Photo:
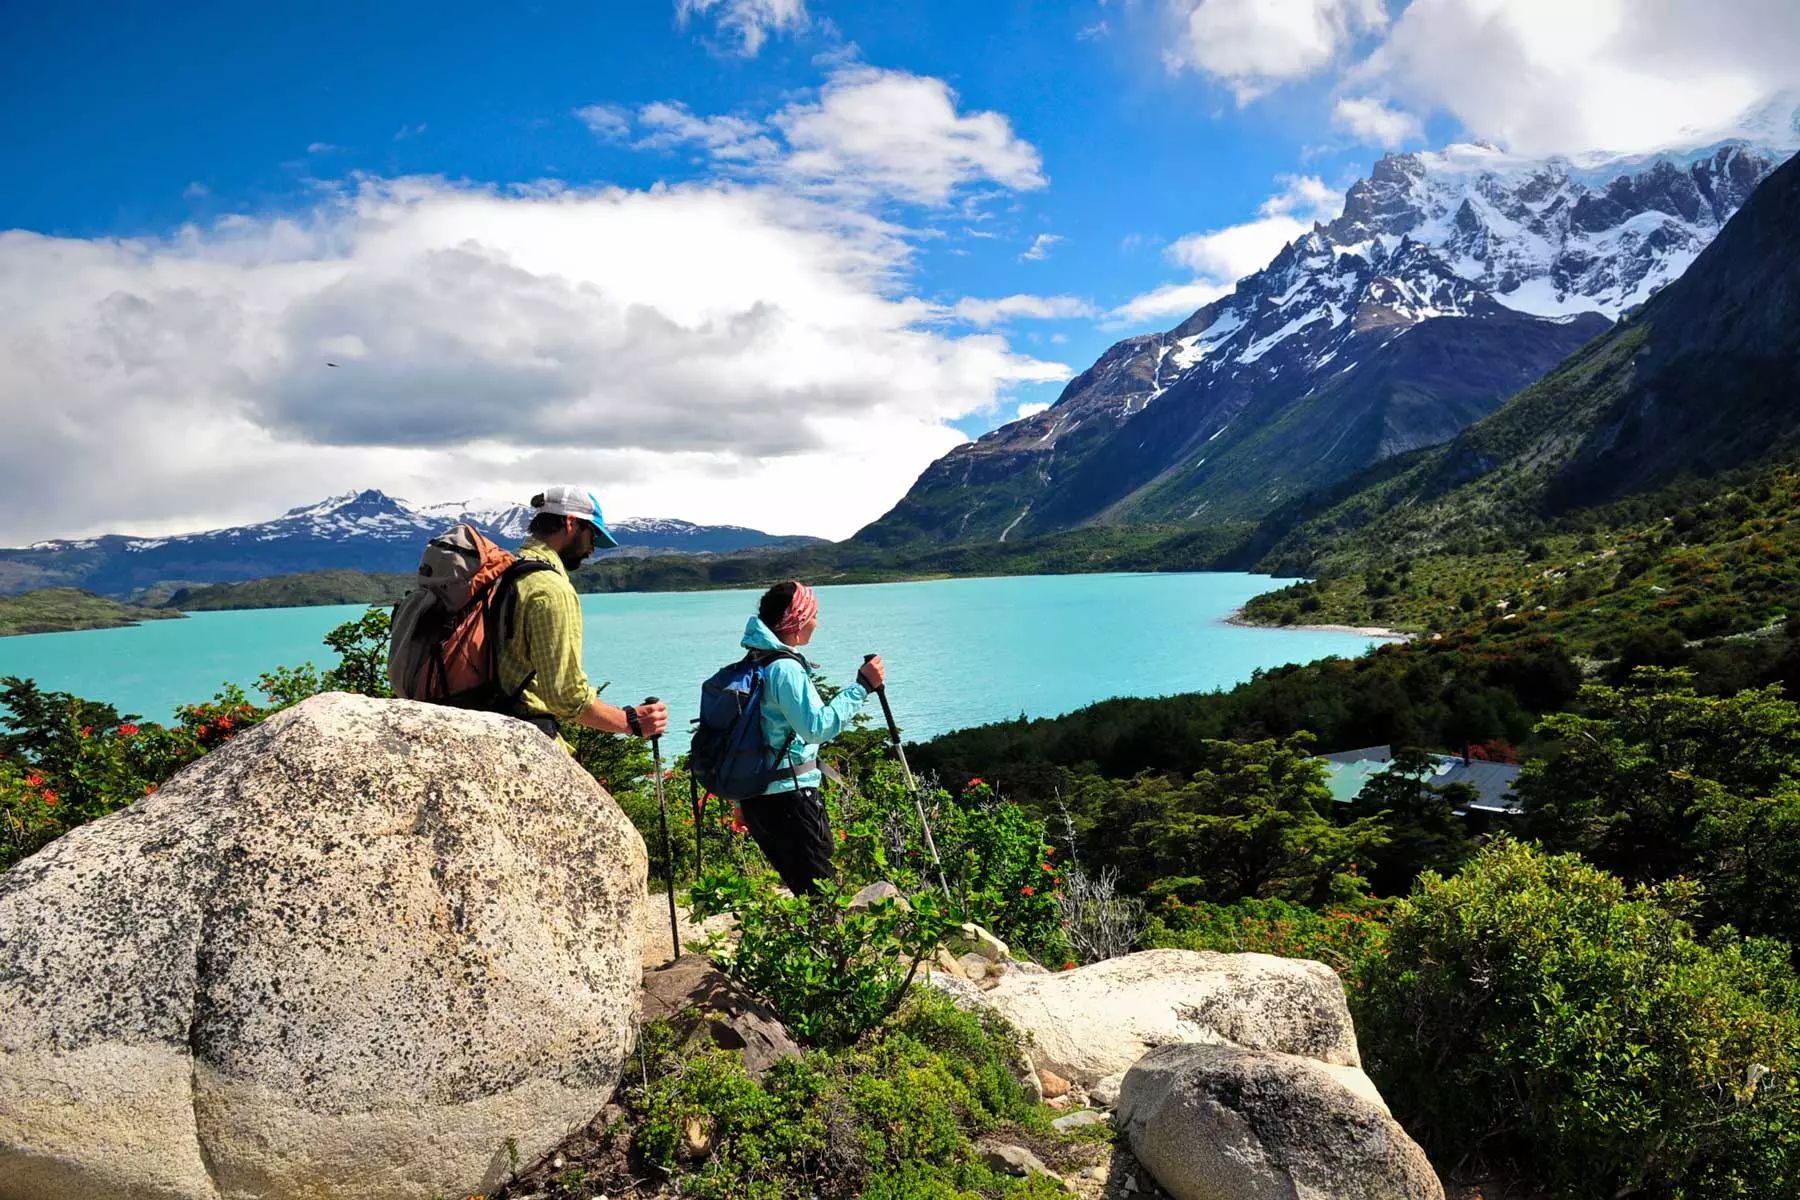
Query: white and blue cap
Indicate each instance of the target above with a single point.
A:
(567, 500)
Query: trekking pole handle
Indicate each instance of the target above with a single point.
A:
(887, 710)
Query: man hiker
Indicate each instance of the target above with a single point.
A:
(788, 820)
(543, 656)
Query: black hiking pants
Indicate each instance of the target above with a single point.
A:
(795, 836)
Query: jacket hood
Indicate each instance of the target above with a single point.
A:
(758, 636)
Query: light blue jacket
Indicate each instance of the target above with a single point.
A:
(793, 714)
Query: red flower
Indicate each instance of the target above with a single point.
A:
(841, 835)
(32, 781)
(49, 798)
(1026, 890)
(149, 788)
(1069, 966)
(1047, 866)
(87, 731)
(1049, 851)
(975, 782)
(127, 730)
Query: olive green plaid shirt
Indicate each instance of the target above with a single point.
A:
(547, 640)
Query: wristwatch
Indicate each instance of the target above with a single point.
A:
(632, 722)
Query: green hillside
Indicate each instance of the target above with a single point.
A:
(61, 610)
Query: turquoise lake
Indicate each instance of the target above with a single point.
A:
(959, 652)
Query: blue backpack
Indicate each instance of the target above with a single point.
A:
(729, 756)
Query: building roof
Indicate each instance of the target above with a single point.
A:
(1348, 771)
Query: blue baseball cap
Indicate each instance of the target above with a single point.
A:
(567, 500)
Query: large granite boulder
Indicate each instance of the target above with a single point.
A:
(368, 949)
(703, 1004)
(1218, 1122)
(1096, 1021)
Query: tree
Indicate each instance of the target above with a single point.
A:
(1657, 782)
(1420, 823)
(1252, 823)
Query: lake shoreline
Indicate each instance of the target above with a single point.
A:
(1375, 631)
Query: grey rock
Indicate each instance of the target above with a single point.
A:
(1014, 1160)
(876, 892)
(368, 949)
(1215, 1122)
(701, 1002)
(1097, 1020)
(1077, 1120)
(973, 939)
(1105, 1091)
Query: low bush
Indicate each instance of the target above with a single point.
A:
(1536, 1016)
(892, 1116)
(1343, 939)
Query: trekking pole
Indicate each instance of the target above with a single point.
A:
(912, 784)
(662, 806)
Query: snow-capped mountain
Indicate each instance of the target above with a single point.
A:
(365, 531)
(1452, 280)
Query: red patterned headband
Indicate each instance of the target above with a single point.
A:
(803, 608)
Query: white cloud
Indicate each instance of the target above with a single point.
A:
(902, 133)
(710, 351)
(610, 121)
(1030, 410)
(748, 21)
(1374, 122)
(1040, 246)
(196, 191)
(723, 138)
(1094, 32)
(1546, 76)
(1041, 308)
(870, 134)
(1169, 300)
(1254, 45)
(1221, 257)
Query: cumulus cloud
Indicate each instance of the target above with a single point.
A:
(748, 23)
(1041, 308)
(716, 351)
(1219, 258)
(1370, 120)
(1030, 410)
(610, 121)
(1254, 45)
(1040, 247)
(1622, 75)
(869, 134)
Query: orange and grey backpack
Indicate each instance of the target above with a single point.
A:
(446, 634)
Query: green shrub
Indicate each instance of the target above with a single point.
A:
(1344, 939)
(1535, 1015)
(831, 973)
(892, 1116)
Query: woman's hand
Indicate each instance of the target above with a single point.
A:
(872, 676)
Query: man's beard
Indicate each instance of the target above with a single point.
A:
(571, 558)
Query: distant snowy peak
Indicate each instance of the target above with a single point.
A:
(1553, 237)
(374, 516)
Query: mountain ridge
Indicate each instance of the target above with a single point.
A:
(1528, 258)
(367, 531)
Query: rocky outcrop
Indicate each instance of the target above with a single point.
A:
(368, 949)
(703, 1004)
(1096, 1021)
(1218, 1122)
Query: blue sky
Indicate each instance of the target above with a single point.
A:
(723, 259)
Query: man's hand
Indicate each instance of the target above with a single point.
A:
(654, 718)
(873, 676)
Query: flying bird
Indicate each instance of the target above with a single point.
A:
(329, 364)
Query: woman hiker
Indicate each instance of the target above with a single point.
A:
(788, 820)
